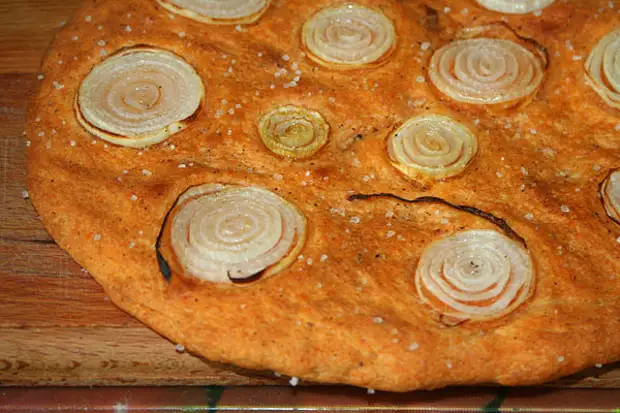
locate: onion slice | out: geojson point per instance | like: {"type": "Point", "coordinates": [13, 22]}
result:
{"type": "Point", "coordinates": [223, 233]}
{"type": "Point", "coordinates": [348, 36]}
{"type": "Point", "coordinates": [603, 69]}
{"type": "Point", "coordinates": [474, 275]}
{"type": "Point", "coordinates": [218, 11]}
{"type": "Point", "coordinates": [293, 131]}
{"type": "Point", "coordinates": [515, 6]}
{"type": "Point", "coordinates": [486, 71]}
{"type": "Point", "coordinates": [139, 97]}
{"type": "Point", "coordinates": [610, 191]}
{"type": "Point", "coordinates": [431, 146]}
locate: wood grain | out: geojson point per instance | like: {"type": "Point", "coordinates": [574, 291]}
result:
{"type": "Point", "coordinates": [104, 356]}
{"type": "Point", "coordinates": [18, 220]}
{"type": "Point", "coordinates": [42, 287]}
{"type": "Point", "coordinates": [27, 28]}
{"type": "Point", "coordinates": [57, 327]}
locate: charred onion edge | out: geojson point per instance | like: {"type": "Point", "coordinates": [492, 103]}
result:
{"type": "Point", "coordinates": [247, 280]}
{"type": "Point", "coordinates": [164, 267]}
{"type": "Point", "coordinates": [600, 191]}
{"type": "Point", "coordinates": [499, 222]}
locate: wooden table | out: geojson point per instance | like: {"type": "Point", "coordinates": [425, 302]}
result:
{"type": "Point", "coordinates": [56, 325]}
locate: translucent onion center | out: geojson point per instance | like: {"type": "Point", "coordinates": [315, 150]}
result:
{"type": "Point", "coordinates": [348, 35]}
{"type": "Point", "coordinates": [474, 274]}
{"type": "Point", "coordinates": [140, 96]}
{"type": "Point", "coordinates": [603, 69]}
{"type": "Point", "coordinates": [485, 71]}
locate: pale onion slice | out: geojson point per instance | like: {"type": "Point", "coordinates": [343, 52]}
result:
{"type": "Point", "coordinates": [515, 6]}
{"type": "Point", "coordinates": [139, 97]}
{"type": "Point", "coordinates": [348, 36]}
{"type": "Point", "coordinates": [486, 71]}
{"type": "Point", "coordinates": [474, 275]}
{"type": "Point", "coordinates": [218, 11]}
{"type": "Point", "coordinates": [293, 131]}
{"type": "Point", "coordinates": [431, 146]}
{"type": "Point", "coordinates": [220, 233]}
{"type": "Point", "coordinates": [603, 69]}
{"type": "Point", "coordinates": [610, 191]}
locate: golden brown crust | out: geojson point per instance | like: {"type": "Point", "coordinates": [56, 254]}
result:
{"type": "Point", "coordinates": [352, 318]}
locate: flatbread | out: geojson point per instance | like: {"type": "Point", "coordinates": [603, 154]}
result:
{"type": "Point", "coordinates": [347, 310]}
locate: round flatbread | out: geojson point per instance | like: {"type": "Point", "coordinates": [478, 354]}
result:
{"type": "Point", "coordinates": [347, 307]}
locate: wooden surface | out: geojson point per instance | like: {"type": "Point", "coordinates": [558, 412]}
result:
{"type": "Point", "coordinates": [56, 325]}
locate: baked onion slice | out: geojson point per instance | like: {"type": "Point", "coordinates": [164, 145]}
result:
{"type": "Point", "coordinates": [348, 36]}
{"type": "Point", "coordinates": [218, 11]}
{"type": "Point", "coordinates": [603, 69]}
{"type": "Point", "coordinates": [293, 131]}
{"type": "Point", "coordinates": [515, 6]}
{"type": "Point", "coordinates": [139, 97]}
{"type": "Point", "coordinates": [610, 191]}
{"type": "Point", "coordinates": [227, 233]}
{"type": "Point", "coordinates": [476, 274]}
{"type": "Point", "coordinates": [486, 71]}
{"type": "Point", "coordinates": [431, 146]}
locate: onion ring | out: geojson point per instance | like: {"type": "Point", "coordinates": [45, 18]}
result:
{"type": "Point", "coordinates": [218, 11]}
{"type": "Point", "coordinates": [474, 275]}
{"type": "Point", "coordinates": [431, 146]}
{"type": "Point", "coordinates": [486, 71]}
{"type": "Point", "coordinates": [348, 36]}
{"type": "Point", "coordinates": [224, 233]}
{"type": "Point", "coordinates": [603, 69]}
{"type": "Point", "coordinates": [139, 97]}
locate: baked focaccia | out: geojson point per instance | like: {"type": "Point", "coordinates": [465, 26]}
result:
{"type": "Point", "coordinates": [391, 194]}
